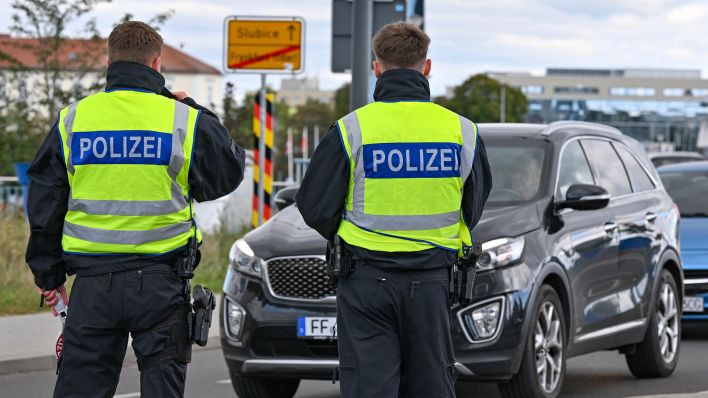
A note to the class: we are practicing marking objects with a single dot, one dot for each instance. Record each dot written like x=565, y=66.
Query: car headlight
x=500, y=252
x=242, y=258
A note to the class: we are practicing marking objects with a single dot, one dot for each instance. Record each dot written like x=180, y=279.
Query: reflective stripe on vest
x=128, y=173
x=396, y=159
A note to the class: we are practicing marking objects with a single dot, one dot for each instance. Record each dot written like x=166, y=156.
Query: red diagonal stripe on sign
x=264, y=57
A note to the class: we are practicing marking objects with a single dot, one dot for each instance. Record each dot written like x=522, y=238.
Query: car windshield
x=689, y=190
x=517, y=166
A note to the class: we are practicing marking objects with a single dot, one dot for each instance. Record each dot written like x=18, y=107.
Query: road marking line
x=129, y=395
x=227, y=381
x=701, y=394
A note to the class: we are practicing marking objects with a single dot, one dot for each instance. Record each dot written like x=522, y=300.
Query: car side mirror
x=285, y=197
x=585, y=197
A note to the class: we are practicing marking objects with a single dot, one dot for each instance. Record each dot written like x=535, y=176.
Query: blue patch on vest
x=412, y=160
x=121, y=147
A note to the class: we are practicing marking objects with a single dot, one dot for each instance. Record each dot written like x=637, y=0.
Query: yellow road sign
x=273, y=45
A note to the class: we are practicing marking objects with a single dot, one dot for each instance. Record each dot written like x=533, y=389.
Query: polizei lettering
x=412, y=160
x=121, y=147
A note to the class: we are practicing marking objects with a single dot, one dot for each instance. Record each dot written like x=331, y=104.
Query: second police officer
x=401, y=182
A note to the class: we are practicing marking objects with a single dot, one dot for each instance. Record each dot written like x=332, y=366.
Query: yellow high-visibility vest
x=127, y=155
x=408, y=165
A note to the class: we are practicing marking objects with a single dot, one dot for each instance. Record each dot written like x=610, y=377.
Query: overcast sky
x=468, y=36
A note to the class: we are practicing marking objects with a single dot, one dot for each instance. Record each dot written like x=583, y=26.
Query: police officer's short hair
x=401, y=45
x=134, y=41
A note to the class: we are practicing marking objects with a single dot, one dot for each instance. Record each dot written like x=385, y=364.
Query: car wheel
x=543, y=363
x=657, y=355
x=264, y=388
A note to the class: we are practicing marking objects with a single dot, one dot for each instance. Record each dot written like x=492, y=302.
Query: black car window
x=573, y=168
x=608, y=167
x=689, y=190
x=639, y=178
x=517, y=169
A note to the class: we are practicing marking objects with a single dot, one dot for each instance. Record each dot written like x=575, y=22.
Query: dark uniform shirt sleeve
x=47, y=200
x=477, y=186
x=323, y=191
x=218, y=163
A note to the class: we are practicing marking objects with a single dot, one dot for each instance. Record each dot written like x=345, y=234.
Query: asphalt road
x=601, y=374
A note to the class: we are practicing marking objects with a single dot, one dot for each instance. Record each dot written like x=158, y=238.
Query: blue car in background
x=687, y=183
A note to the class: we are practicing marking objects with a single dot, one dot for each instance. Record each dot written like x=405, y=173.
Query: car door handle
x=650, y=217
x=610, y=227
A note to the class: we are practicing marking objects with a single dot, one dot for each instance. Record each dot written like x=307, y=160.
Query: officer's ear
x=156, y=64
x=378, y=70
x=427, y=66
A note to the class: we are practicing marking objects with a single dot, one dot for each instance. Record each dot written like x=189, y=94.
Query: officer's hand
x=180, y=95
x=50, y=297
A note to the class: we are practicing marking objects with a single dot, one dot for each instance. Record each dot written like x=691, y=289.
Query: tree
x=238, y=119
x=341, y=101
x=59, y=79
x=313, y=113
x=19, y=137
x=478, y=98
x=65, y=72
x=45, y=21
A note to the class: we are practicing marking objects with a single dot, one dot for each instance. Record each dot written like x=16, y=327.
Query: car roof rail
x=558, y=126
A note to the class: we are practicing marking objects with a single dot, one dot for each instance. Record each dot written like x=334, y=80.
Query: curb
x=49, y=362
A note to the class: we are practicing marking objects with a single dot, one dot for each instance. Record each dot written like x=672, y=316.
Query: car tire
x=657, y=355
x=264, y=388
x=545, y=345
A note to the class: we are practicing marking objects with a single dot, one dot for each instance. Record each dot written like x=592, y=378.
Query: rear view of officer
x=110, y=200
x=401, y=181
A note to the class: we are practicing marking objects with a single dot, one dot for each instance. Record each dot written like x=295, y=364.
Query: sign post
x=354, y=22
x=361, y=53
x=263, y=45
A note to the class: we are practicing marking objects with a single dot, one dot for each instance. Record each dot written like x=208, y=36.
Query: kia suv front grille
x=299, y=279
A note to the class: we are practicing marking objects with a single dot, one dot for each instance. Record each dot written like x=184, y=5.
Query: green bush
x=215, y=253
x=18, y=294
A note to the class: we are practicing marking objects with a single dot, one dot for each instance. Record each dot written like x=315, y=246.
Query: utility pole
x=362, y=20
x=502, y=104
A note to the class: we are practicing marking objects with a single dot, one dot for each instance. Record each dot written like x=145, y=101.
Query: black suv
x=580, y=254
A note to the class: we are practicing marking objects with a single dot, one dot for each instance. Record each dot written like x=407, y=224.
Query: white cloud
x=468, y=36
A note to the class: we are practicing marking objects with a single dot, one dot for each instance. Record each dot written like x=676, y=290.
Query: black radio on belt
x=462, y=274
x=339, y=261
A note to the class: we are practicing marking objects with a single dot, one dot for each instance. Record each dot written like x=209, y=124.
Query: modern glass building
x=661, y=107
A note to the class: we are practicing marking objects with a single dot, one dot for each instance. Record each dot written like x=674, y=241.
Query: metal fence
x=11, y=199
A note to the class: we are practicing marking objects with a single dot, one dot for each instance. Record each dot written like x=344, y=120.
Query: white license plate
x=317, y=327
x=693, y=304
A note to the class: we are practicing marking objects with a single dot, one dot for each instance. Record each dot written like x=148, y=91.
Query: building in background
x=182, y=72
x=659, y=106
x=296, y=92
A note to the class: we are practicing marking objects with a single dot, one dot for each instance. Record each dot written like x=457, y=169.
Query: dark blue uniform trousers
x=394, y=334
x=103, y=310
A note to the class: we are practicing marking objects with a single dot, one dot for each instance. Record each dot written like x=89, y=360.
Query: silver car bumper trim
x=695, y=281
x=283, y=365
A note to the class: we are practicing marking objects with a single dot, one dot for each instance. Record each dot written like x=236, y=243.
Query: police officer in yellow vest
x=401, y=181
x=110, y=200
